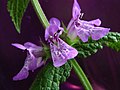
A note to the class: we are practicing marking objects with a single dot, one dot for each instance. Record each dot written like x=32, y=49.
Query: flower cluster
x=60, y=50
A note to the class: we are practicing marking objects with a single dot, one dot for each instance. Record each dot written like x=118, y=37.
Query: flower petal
x=83, y=34
x=71, y=23
x=67, y=50
x=40, y=62
x=76, y=10
x=72, y=34
x=47, y=33
x=57, y=57
x=54, y=21
x=38, y=52
x=96, y=22
x=50, y=31
x=23, y=74
x=30, y=45
x=62, y=52
x=31, y=62
x=19, y=46
x=99, y=32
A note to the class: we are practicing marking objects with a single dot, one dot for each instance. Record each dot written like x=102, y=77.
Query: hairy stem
x=78, y=70
x=40, y=13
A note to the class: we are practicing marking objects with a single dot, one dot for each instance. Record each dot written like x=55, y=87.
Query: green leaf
x=50, y=77
x=112, y=40
x=115, y=45
x=16, y=9
x=87, y=49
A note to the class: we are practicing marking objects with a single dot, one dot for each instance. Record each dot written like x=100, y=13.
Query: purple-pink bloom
x=84, y=29
x=32, y=61
x=53, y=29
x=60, y=50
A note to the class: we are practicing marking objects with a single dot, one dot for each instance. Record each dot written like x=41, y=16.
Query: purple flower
x=60, y=50
x=54, y=30
x=32, y=61
x=84, y=29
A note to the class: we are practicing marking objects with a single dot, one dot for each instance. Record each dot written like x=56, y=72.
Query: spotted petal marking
x=98, y=32
x=87, y=29
x=61, y=53
x=83, y=34
x=31, y=62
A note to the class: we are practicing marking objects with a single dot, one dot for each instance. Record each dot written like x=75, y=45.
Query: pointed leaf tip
x=16, y=8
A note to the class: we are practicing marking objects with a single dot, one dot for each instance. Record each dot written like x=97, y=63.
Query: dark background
x=102, y=69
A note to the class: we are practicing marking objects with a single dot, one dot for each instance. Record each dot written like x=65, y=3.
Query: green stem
x=82, y=77
x=85, y=82
x=40, y=13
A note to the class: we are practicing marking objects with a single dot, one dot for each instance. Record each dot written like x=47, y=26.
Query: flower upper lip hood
x=76, y=10
x=84, y=29
x=32, y=61
x=52, y=30
x=60, y=51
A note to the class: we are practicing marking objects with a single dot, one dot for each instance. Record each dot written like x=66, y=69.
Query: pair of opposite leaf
x=60, y=51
